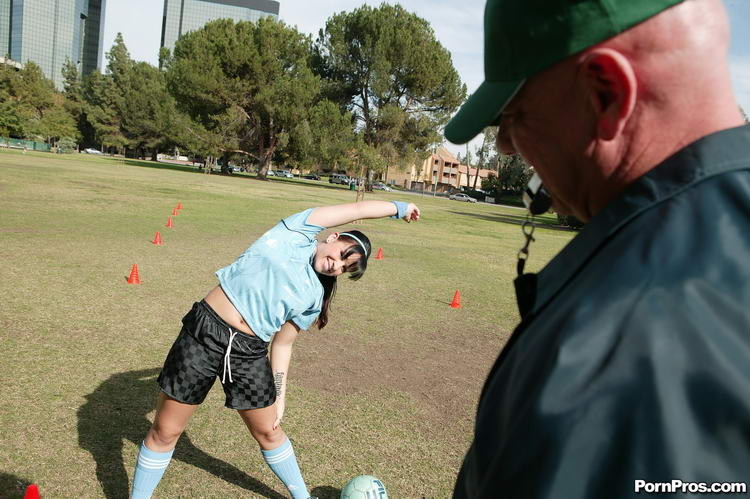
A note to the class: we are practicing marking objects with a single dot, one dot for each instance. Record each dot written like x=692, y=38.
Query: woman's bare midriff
x=218, y=301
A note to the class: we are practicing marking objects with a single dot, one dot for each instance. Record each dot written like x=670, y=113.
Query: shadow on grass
x=161, y=166
x=320, y=184
x=515, y=220
x=12, y=487
x=116, y=412
x=326, y=492
x=194, y=169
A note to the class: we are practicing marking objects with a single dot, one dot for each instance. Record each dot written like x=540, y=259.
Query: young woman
x=281, y=284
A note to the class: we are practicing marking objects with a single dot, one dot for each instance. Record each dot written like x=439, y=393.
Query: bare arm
x=281, y=355
x=331, y=216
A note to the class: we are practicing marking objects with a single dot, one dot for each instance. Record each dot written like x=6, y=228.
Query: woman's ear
x=613, y=90
x=332, y=237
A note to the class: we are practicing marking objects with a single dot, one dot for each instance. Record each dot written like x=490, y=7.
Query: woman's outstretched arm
x=331, y=216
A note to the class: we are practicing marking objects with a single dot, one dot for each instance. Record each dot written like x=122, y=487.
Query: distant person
x=630, y=369
x=280, y=285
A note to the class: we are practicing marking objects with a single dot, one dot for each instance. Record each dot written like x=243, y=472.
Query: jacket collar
x=712, y=155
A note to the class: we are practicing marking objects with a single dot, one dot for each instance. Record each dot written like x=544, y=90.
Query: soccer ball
x=364, y=487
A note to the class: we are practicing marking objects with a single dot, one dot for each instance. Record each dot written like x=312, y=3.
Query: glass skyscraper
x=4, y=28
x=181, y=16
x=48, y=32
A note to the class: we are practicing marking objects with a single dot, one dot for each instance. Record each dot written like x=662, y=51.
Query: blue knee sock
x=283, y=462
x=148, y=471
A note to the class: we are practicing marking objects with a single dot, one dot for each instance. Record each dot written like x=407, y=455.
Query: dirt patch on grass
x=443, y=372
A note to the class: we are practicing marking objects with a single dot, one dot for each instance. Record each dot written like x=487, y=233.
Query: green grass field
x=388, y=388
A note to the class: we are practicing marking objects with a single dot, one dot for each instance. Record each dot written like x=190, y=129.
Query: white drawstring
x=227, y=367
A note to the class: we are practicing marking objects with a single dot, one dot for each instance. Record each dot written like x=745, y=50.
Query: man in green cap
x=630, y=370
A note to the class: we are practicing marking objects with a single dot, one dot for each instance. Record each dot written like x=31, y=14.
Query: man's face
x=546, y=124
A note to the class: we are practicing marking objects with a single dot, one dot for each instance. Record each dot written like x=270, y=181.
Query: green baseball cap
x=524, y=37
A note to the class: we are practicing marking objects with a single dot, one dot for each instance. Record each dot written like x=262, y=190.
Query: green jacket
x=632, y=360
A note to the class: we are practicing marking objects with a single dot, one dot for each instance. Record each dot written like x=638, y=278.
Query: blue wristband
x=401, y=208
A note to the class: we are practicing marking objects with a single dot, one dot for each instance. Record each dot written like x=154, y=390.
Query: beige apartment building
x=441, y=168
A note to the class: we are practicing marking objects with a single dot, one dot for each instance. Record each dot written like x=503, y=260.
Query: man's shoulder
x=669, y=261
x=696, y=219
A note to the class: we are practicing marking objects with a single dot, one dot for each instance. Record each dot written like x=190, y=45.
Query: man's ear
x=332, y=237
x=613, y=90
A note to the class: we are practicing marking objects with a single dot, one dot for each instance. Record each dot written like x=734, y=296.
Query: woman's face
x=329, y=256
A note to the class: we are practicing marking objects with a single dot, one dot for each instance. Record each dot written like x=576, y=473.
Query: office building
x=49, y=32
x=181, y=16
x=5, y=28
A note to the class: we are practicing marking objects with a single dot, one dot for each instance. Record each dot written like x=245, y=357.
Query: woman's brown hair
x=358, y=269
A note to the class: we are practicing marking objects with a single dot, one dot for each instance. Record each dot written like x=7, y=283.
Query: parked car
x=462, y=197
x=91, y=150
x=380, y=186
x=312, y=176
x=284, y=173
x=270, y=173
x=338, y=178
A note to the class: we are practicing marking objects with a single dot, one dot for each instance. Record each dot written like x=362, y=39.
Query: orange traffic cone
x=456, y=303
x=169, y=222
x=175, y=212
x=134, y=278
x=379, y=256
x=157, y=239
x=32, y=492
x=179, y=205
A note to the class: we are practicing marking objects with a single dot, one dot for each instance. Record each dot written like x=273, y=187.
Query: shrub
x=66, y=145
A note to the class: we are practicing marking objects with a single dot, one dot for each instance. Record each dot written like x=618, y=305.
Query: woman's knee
x=268, y=437
x=171, y=418
x=165, y=434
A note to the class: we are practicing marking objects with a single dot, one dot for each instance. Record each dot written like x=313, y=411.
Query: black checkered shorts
x=197, y=358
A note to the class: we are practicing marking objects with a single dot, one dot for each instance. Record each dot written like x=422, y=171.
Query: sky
x=457, y=25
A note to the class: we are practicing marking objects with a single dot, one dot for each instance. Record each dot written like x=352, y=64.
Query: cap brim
x=481, y=109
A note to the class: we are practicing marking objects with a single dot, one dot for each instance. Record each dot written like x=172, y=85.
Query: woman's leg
x=170, y=421
x=276, y=448
x=156, y=451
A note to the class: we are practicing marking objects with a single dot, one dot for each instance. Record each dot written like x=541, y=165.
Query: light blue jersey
x=274, y=281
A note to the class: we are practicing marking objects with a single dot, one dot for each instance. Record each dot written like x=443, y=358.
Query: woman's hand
x=412, y=213
x=280, y=405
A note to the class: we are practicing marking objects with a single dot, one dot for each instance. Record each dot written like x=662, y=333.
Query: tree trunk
x=265, y=153
x=265, y=166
